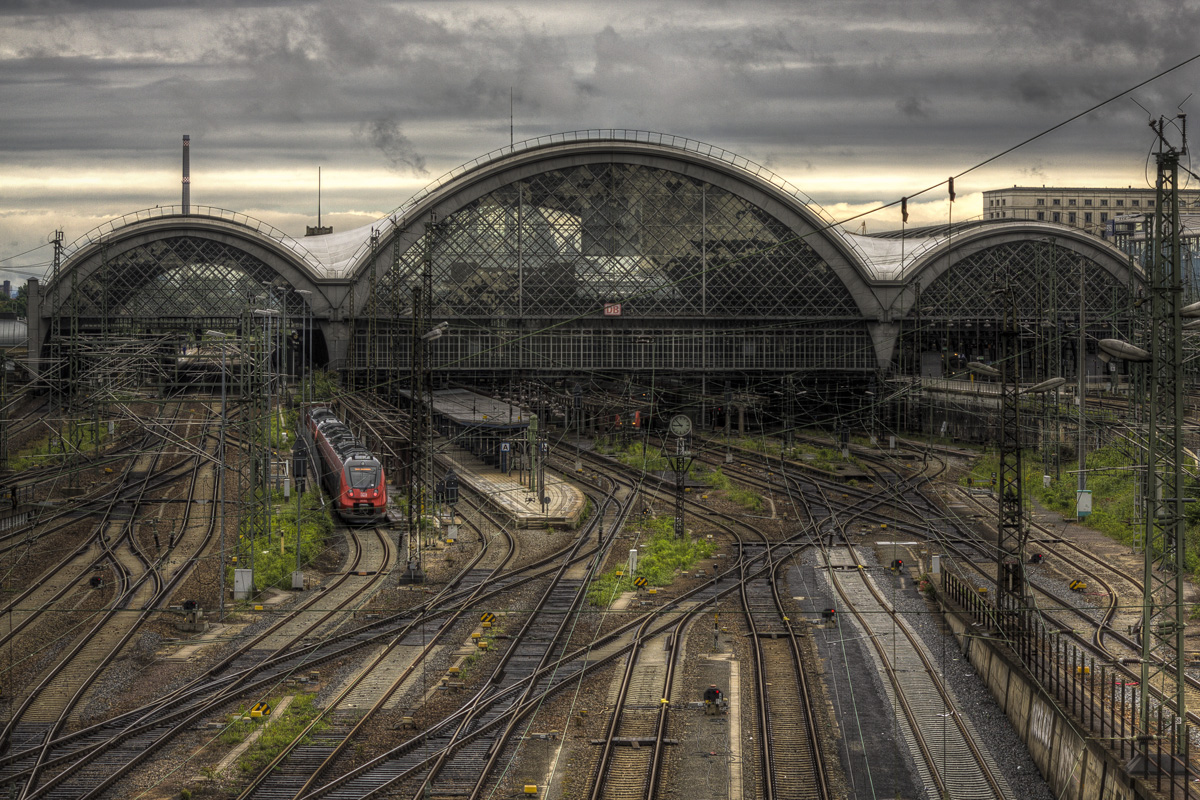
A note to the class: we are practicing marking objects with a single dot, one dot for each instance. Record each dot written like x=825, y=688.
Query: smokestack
x=187, y=175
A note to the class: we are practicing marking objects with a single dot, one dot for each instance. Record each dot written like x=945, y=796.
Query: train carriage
x=351, y=474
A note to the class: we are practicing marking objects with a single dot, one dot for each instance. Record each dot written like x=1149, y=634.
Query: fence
x=1103, y=698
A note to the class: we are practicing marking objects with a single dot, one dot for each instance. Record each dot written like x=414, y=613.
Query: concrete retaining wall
x=1076, y=767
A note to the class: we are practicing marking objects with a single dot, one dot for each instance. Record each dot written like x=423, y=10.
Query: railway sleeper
x=634, y=741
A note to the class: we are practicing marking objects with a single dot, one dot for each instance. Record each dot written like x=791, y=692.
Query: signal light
x=898, y=563
x=829, y=614
x=1036, y=558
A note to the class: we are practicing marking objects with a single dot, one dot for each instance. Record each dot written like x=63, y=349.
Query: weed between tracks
x=275, y=736
x=660, y=558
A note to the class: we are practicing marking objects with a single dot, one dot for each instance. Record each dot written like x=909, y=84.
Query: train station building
x=604, y=259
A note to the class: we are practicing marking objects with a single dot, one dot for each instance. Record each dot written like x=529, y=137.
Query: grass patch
x=280, y=733
x=716, y=479
x=660, y=558
x=746, y=498
x=1114, y=489
x=79, y=439
x=275, y=559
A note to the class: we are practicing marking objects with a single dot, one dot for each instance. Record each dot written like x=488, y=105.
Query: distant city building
x=1093, y=210
x=8, y=290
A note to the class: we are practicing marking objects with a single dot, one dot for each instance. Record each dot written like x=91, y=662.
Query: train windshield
x=362, y=477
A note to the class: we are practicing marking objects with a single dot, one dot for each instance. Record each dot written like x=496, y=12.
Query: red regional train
x=350, y=473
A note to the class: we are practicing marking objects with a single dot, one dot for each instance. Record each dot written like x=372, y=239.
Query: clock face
x=680, y=425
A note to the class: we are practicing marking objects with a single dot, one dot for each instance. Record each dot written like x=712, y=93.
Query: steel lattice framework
x=956, y=313
x=560, y=245
x=180, y=281
x=1010, y=560
x=1163, y=612
x=722, y=271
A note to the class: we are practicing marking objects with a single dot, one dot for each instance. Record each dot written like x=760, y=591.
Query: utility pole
x=1010, y=567
x=1082, y=501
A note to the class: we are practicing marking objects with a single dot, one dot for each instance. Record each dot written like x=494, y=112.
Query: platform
x=512, y=498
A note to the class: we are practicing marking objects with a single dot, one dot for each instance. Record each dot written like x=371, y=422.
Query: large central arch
x=721, y=269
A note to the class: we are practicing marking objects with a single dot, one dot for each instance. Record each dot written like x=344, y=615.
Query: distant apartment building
x=1094, y=210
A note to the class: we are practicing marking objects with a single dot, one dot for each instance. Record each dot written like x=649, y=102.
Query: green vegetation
x=584, y=515
x=274, y=560
x=81, y=436
x=746, y=498
x=716, y=479
x=660, y=558
x=280, y=733
x=823, y=458
x=325, y=385
x=719, y=481
x=1113, y=485
x=16, y=305
x=820, y=457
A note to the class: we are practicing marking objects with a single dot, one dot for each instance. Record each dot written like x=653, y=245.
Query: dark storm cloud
x=810, y=89
x=385, y=135
x=914, y=106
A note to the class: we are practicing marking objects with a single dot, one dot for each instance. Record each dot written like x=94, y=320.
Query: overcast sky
x=853, y=101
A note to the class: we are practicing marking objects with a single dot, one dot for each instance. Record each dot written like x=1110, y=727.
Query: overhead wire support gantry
x=1163, y=613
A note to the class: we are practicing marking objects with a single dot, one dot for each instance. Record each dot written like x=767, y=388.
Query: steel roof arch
x=87, y=253
x=941, y=258
x=446, y=198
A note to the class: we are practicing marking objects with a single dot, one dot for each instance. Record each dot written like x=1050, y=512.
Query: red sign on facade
x=612, y=310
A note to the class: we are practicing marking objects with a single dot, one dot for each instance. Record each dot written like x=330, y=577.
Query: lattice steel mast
x=1010, y=567
x=1163, y=613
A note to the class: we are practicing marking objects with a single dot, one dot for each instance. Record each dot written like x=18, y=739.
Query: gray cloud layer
x=417, y=88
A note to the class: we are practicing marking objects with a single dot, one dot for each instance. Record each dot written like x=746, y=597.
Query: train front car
x=364, y=497
x=353, y=476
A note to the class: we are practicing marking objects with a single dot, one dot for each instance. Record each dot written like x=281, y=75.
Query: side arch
x=176, y=276
x=951, y=309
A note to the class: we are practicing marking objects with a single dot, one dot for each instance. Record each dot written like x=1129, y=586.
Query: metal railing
x=1102, y=698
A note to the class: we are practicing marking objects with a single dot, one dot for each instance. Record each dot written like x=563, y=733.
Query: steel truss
x=1163, y=614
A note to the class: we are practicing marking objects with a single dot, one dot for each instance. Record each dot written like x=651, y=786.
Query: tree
x=18, y=304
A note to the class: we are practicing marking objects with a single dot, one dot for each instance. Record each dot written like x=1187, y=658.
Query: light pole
x=221, y=471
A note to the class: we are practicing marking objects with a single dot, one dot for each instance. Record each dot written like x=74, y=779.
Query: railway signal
x=897, y=564
x=829, y=616
x=1036, y=558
